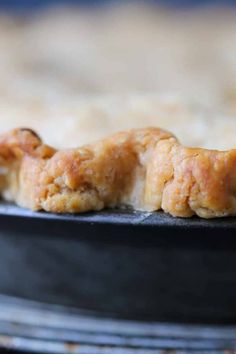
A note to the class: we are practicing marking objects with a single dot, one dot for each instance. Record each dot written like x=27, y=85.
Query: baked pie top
x=128, y=51
x=146, y=169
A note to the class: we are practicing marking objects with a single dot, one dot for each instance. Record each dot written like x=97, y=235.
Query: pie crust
x=145, y=169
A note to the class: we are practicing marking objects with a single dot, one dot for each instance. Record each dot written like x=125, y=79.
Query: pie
x=125, y=67
x=145, y=169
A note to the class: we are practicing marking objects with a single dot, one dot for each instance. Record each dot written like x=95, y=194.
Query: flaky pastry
x=145, y=169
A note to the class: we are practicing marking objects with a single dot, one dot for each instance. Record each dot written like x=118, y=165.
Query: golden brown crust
x=146, y=169
x=187, y=181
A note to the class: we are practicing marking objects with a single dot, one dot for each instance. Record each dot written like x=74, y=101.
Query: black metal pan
x=122, y=263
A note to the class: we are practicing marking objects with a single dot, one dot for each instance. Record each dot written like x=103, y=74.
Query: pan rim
x=120, y=217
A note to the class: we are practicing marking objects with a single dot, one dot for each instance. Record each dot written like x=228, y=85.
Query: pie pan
x=121, y=263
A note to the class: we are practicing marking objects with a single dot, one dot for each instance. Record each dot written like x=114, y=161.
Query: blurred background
x=79, y=70
x=32, y=3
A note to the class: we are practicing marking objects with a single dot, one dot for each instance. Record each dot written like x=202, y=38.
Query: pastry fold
x=146, y=169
